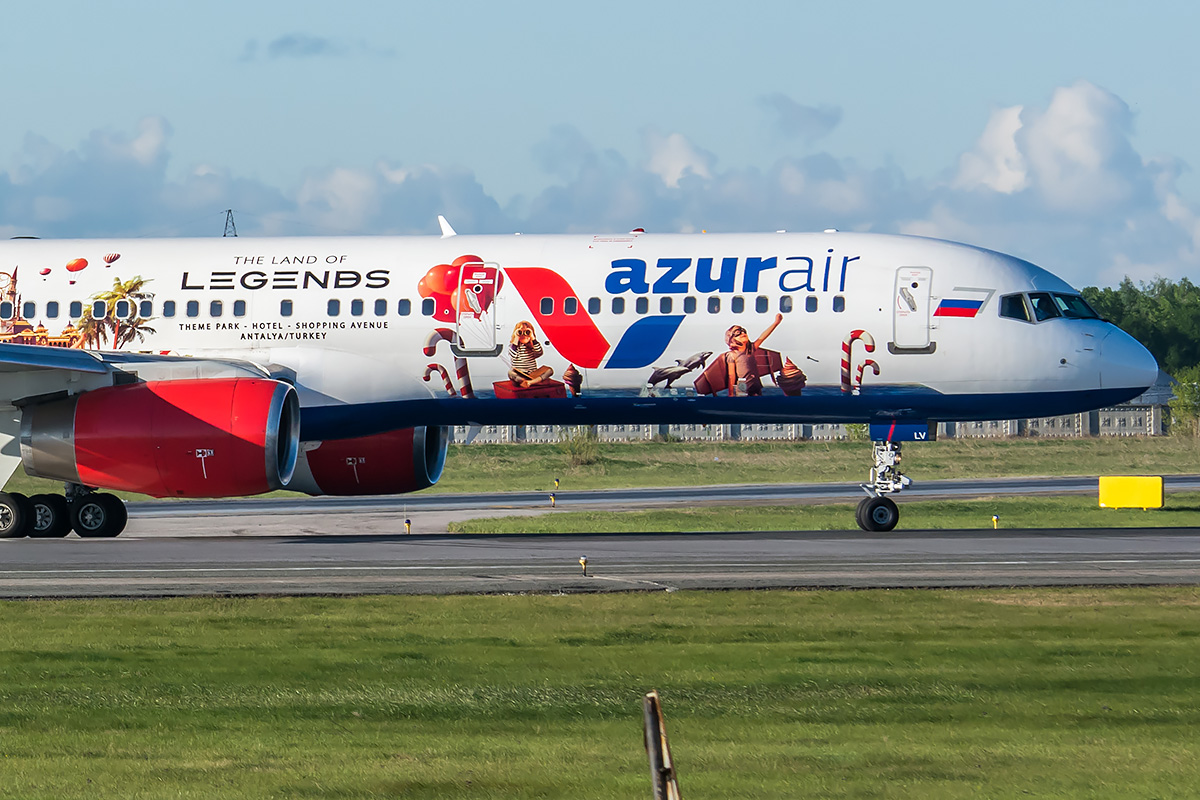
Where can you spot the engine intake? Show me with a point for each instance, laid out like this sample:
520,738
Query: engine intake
220,437
395,462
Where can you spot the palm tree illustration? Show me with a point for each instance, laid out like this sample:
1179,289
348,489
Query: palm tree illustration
111,329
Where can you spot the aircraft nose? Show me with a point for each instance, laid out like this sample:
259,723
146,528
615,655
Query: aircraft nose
1125,364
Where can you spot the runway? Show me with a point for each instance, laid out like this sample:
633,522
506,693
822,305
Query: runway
362,564
357,546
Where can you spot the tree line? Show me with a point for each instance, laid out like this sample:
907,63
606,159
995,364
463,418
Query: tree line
1165,317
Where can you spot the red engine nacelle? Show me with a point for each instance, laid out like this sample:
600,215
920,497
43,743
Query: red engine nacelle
385,463
220,437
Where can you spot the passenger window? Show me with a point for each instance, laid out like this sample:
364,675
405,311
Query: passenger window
737,305
146,307
356,308
121,310
785,304
333,307
29,310
761,304
215,308
285,308
404,308
193,308
1013,307
571,306
593,305
689,305
99,309
6,310
427,307
664,305
547,306
1043,306
75,310
810,303
618,305
380,307
641,305
714,305
239,308
168,308
839,304
52,309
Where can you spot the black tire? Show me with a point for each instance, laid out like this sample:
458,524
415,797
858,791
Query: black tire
15,514
859,512
98,516
878,514
51,516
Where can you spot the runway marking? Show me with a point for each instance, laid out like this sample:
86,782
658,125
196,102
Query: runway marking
431,567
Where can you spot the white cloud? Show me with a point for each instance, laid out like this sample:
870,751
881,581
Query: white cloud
673,157
1061,184
996,163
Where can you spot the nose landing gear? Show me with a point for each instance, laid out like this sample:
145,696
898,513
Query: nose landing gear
878,512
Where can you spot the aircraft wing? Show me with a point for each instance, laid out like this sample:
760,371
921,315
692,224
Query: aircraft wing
26,357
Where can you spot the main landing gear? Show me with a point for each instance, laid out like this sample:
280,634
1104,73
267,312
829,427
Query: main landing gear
878,512
52,516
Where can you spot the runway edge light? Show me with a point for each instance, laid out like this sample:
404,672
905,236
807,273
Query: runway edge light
1131,491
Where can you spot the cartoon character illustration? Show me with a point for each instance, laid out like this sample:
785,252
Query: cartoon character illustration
526,378
739,371
682,367
525,350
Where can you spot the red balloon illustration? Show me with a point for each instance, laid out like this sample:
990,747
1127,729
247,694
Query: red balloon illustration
76,265
111,257
478,287
46,271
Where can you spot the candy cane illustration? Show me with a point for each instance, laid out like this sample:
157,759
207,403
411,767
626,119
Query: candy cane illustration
460,364
863,366
432,368
868,342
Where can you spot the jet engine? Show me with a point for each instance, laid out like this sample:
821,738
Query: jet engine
220,437
395,462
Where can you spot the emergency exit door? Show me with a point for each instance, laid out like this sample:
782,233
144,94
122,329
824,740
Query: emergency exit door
910,309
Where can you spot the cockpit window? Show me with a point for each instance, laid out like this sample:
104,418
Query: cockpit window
1043,306
1073,306
1013,306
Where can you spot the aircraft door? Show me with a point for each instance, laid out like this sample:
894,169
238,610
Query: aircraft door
910,310
476,303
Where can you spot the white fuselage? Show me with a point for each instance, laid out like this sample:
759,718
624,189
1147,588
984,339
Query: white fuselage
359,324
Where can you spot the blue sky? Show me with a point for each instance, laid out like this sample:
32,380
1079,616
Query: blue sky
1065,133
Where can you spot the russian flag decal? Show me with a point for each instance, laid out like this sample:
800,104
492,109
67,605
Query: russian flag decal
951,307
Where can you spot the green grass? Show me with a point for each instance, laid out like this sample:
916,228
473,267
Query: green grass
533,467
474,468
898,694
1182,510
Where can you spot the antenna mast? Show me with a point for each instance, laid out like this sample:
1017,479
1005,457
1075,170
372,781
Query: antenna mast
230,228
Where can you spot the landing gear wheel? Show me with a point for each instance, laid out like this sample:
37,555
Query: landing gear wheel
51,516
16,514
98,516
877,514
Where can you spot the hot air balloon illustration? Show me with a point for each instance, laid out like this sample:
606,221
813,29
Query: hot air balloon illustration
110,258
76,265
45,271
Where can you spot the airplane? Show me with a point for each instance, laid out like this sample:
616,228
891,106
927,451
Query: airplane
235,366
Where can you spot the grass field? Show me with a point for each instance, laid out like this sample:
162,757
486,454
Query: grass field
1182,510
897,694
476,468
